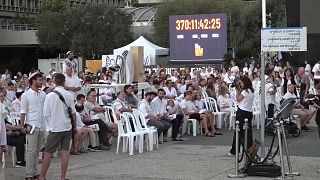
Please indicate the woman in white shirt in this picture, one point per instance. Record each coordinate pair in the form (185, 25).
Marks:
(223, 99)
(245, 98)
(171, 92)
(234, 69)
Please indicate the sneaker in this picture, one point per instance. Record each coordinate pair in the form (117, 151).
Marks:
(230, 155)
(20, 164)
(95, 149)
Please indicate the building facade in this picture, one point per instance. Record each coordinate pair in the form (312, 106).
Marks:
(10, 8)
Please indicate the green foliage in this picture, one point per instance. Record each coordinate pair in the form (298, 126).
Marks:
(90, 30)
(244, 21)
(55, 6)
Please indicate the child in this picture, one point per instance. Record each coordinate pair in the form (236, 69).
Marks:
(82, 132)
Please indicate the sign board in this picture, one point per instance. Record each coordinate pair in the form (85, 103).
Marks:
(284, 39)
(199, 38)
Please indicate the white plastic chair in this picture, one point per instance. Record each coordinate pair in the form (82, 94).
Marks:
(204, 94)
(193, 122)
(110, 114)
(127, 135)
(152, 131)
(256, 114)
(211, 105)
(233, 111)
(14, 118)
(137, 130)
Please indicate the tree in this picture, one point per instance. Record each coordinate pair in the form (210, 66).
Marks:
(90, 30)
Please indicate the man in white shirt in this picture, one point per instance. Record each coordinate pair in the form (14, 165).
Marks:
(159, 103)
(32, 103)
(60, 125)
(70, 62)
(270, 102)
(159, 106)
(106, 95)
(316, 71)
(151, 117)
(190, 110)
(304, 114)
(98, 117)
(119, 104)
(72, 84)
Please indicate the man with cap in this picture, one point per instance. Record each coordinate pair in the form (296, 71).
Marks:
(151, 117)
(32, 103)
(70, 62)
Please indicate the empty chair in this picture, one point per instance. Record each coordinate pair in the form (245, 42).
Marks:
(152, 131)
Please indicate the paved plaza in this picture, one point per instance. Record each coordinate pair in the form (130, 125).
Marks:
(195, 158)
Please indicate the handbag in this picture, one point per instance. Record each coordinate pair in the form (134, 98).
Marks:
(69, 109)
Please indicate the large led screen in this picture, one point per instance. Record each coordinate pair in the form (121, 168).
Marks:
(200, 38)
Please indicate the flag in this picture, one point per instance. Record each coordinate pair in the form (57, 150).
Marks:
(279, 56)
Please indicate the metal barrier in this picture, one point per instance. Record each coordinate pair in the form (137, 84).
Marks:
(236, 173)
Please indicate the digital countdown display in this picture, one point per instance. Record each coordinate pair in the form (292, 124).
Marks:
(200, 38)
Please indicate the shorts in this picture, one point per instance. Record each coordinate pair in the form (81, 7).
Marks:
(195, 116)
(58, 139)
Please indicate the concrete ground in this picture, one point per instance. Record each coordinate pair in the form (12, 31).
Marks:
(195, 158)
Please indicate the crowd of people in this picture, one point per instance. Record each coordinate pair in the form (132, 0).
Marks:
(58, 107)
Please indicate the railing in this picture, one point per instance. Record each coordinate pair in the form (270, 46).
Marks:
(17, 27)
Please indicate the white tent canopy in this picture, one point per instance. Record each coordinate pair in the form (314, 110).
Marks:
(150, 50)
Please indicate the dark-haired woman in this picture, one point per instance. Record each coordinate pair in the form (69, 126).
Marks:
(245, 98)
(288, 79)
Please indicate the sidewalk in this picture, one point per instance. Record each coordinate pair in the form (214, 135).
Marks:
(171, 161)
(193, 159)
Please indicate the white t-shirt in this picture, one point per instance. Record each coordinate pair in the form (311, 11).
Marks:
(73, 81)
(247, 102)
(316, 70)
(245, 70)
(270, 98)
(223, 102)
(289, 95)
(171, 92)
(79, 121)
(188, 105)
(198, 104)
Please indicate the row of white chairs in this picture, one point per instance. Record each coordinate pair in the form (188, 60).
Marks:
(142, 132)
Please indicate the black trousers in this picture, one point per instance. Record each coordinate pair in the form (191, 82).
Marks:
(240, 116)
(18, 142)
(176, 123)
(103, 129)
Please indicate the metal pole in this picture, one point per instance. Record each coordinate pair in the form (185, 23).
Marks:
(236, 174)
(290, 173)
(245, 134)
(281, 153)
(262, 97)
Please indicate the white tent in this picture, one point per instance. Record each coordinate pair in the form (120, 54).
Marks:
(150, 50)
